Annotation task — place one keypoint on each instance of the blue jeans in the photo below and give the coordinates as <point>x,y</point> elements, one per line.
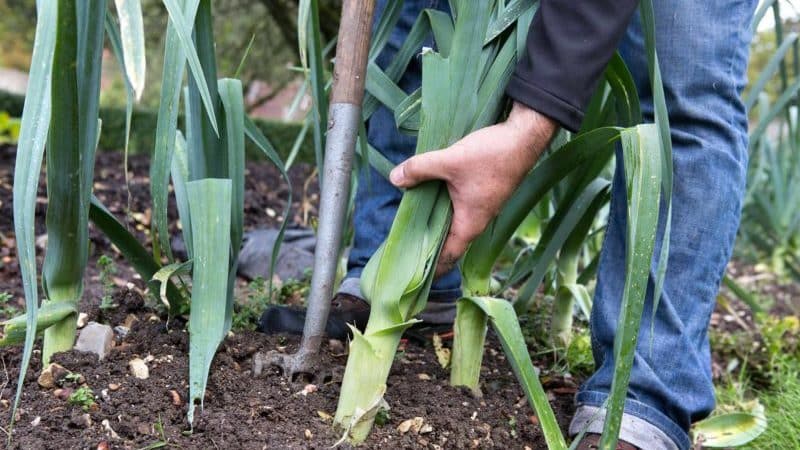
<point>703,50</point>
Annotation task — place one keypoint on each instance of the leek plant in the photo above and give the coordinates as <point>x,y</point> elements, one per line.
<point>207,172</point>
<point>61,112</point>
<point>771,218</point>
<point>449,105</point>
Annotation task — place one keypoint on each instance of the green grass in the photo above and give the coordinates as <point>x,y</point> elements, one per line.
<point>763,365</point>
<point>783,413</point>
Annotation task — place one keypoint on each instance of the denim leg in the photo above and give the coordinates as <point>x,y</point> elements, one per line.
<point>376,199</point>
<point>703,51</point>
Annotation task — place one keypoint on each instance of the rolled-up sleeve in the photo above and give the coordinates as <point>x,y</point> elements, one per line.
<point>568,46</point>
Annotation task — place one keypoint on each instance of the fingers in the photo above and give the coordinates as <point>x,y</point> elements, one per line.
<point>419,168</point>
<point>462,232</point>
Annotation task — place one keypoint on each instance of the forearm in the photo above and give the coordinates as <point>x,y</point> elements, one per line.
<point>568,46</point>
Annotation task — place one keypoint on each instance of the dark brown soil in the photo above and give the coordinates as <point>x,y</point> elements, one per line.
<point>267,412</point>
<point>240,411</point>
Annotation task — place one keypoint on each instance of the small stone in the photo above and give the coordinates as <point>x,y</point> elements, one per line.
<point>104,395</point>
<point>534,420</point>
<point>139,369</point>
<point>308,434</point>
<point>62,394</point>
<point>52,376</point>
<point>83,319</point>
<point>113,387</point>
<point>336,346</point>
<point>143,428</point>
<point>308,389</point>
<point>413,425</point>
<point>107,426</point>
<point>424,376</point>
<point>427,428</point>
<point>95,338</point>
<point>176,398</point>
<point>103,445</point>
<point>130,319</point>
<point>82,420</point>
<point>121,331</point>
<point>35,422</point>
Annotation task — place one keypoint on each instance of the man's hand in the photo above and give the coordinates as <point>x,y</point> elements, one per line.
<point>481,170</point>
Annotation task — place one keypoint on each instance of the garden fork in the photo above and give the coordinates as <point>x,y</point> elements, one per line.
<point>347,95</point>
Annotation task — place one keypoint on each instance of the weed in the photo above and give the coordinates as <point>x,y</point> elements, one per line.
<point>108,268</point>
<point>73,377</point>
<point>83,397</point>
<point>773,348</point>
<point>247,312</point>
<point>512,423</point>
<point>7,307</point>
<point>382,417</point>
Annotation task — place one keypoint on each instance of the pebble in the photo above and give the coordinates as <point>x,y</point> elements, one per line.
<point>113,387</point>
<point>95,338</point>
<point>176,398</point>
<point>83,319</point>
<point>35,422</point>
<point>121,331</point>
<point>130,319</point>
<point>62,394</point>
<point>414,425</point>
<point>308,389</point>
<point>424,376</point>
<point>52,375</point>
<point>139,369</point>
<point>104,395</point>
<point>103,445</point>
<point>308,434</point>
<point>107,426</point>
<point>82,420</point>
<point>336,346</point>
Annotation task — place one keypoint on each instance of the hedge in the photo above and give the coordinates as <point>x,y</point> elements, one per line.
<point>143,128</point>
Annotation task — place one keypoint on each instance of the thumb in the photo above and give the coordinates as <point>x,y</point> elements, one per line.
<point>419,168</point>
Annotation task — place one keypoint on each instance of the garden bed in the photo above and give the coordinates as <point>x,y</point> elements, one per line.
<point>270,411</point>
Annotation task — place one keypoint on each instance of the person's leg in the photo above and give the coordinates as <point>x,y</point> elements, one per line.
<point>377,199</point>
<point>703,51</point>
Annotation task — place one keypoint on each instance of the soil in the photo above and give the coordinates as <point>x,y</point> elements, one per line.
<point>240,410</point>
<point>267,412</point>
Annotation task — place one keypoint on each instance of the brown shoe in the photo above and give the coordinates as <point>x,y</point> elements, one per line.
<point>591,441</point>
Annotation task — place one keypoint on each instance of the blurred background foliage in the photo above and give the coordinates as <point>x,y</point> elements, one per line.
<point>271,24</point>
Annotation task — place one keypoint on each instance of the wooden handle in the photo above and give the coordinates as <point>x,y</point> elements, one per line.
<point>352,51</point>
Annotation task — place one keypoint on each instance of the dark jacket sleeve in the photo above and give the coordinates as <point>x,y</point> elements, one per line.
<point>569,44</point>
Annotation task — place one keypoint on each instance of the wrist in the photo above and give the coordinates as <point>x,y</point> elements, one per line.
<point>531,127</point>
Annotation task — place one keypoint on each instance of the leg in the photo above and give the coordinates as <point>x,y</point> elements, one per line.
<point>703,50</point>
<point>377,199</point>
